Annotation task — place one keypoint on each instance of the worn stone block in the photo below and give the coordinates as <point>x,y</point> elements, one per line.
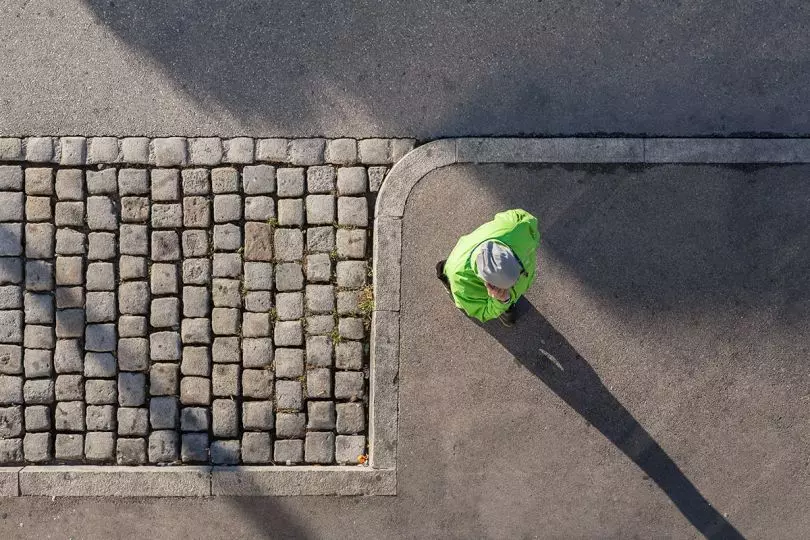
<point>225,380</point>
<point>226,350</point>
<point>12,207</point>
<point>291,212</point>
<point>351,243</point>
<point>196,331</point>
<point>226,293</point>
<point>259,179</point>
<point>196,181</point>
<point>38,363</point>
<point>353,211</point>
<point>69,271</point>
<point>225,452</point>
<point>259,208</point>
<point>225,418</point>
<point>225,321</point>
<point>37,447</point>
<point>319,268</point>
<point>132,182</point>
<point>69,447</point>
<point>288,334</point>
<point>100,276</point>
<point>131,326</point>
<point>11,421</point>
<point>321,415</point>
<point>319,383</point>
<point>205,151</point>
<point>194,419</point>
<point>255,324</point>
<point>133,422</point>
<point>100,392</point>
<point>99,446</point>
<point>69,214</point>
<point>10,239</point>
<point>133,297</point>
<point>135,209</point>
<point>194,448</point>
<point>163,412</point>
<point>349,355</point>
<point>11,177</point>
<point>11,148</point>
<point>11,359</point>
<point>374,151</point>
<point>74,150</point>
<point>134,240</point>
<point>196,302</point>
<point>273,150</point>
<point>39,240</point>
<point>99,365</point>
<point>101,246</point>
<point>164,346</point>
<point>259,242</point>
<point>320,239</point>
<point>320,209</point>
<point>319,447</point>
<point>101,213</point>
<point>167,216</point>
<point>196,362</point>
<point>38,308</point>
<point>306,151</point>
<point>130,451</point>
<point>36,208</point>
<point>351,328</point>
<point>320,298</point>
<point>257,383</point>
<point>289,306</point>
<point>195,391</point>
<point>349,449</point>
<point>67,357</point>
<point>341,151</point>
<point>11,451</point>
<point>100,418</point>
<point>289,395</point>
<point>11,271</point>
<point>100,307</point>
<point>165,312</point>
<point>257,352</point>
<point>319,351</point>
<point>170,152</point>
<point>39,181</point>
<point>196,212</point>
<point>163,379</point>
<point>131,389</point>
<point>349,385</point>
<point>288,452</point>
<point>290,425</point>
<point>102,182</point>
<point>69,416</point>
<point>225,180</point>
<point>130,267</point>
<point>351,274</point>
<point>227,237</point>
<point>11,326</point>
<point>256,448</point>
<point>135,150</point>
<point>258,276</point>
<point>352,180</point>
<point>196,271</point>
<point>239,150</point>
<point>38,337</point>
<point>164,447</point>
<point>290,182</point>
<point>227,207</point>
<point>163,279</point>
<point>258,301</point>
<point>351,418</point>
<point>289,363</point>
<point>257,415</point>
<point>400,147</point>
<point>69,297</point>
<point>348,302</point>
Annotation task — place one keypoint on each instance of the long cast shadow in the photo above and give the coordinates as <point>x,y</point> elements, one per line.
<point>547,354</point>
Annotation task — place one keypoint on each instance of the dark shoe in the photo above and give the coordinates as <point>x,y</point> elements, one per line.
<point>508,317</point>
<point>441,277</point>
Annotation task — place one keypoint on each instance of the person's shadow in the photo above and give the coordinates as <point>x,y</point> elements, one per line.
<point>535,343</point>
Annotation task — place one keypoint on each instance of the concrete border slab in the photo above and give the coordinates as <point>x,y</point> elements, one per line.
<point>115,481</point>
<point>269,480</point>
<point>9,481</point>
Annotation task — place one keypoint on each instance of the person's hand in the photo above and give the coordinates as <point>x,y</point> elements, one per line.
<point>501,295</point>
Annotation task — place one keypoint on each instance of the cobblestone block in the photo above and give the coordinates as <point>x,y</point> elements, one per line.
<point>351,328</point>
<point>226,321</point>
<point>133,354</point>
<point>195,391</point>
<point>353,211</point>
<point>351,243</point>
<point>37,149</point>
<point>226,350</point>
<point>133,422</point>
<point>289,395</point>
<point>39,337</point>
<point>225,452</point>
<point>349,385</point>
<point>374,151</point>
<point>11,359</point>
<point>165,185</point>
<point>196,271</point>
<point>38,363</point>
<point>352,180</point>
<point>259,242</point>
<point>227,207</point>
<point>12,207</point>
<point>135,150</point>
<point>194,448</point>
<point>288,334</point>
<point>131,182</point>
<point>196,331</point>
<point>134,240</point>
<point>101,246</point>
<point>101,213</point>
<point>320,239</point>
<point>239,150</point>
<point>205,151</point>
<point>131,326</point>
<point>319,447</point>
<point>69,297</point>
<point>74,150</point>
<point>10,239</point>
<point>195,243</point>
<point>100,418</point>
<point>227,237</point>
<point>100,276</point>
<point>257,415</point>
<point>165,312</point>
<point>348,302</point>
<point>11,422</point>
<point>196,302</point>
<point>196,212</point>
<point>70,214</point>
<point>306,151</point>
<point>170,152</point>
<point>290,425</point>
<point>100,307</point>
<point>320,209</point>
<point>259,208</point>
<point>258,276</point>
<point>290,182</point>
<point>289,363</point>
<point>39,240</point>
<point>291,212</point>
<point>11,326</point>
<point>11,451</point>
<point>39,181</point>
<point>376,175</point>
<point>131,389</point>
<point>341,151</point>
<point>38,308</point>
<point>289,306</point>
<point>102,182</point>
<point>196,181</point>
<point>258,301</point>
<point>99,446</point>
<point>289,244</point>
<point>99,365</point>
<point>273,150</point>
<point>164,346</point>
<point>351,274</point>
<point>256,448</point>
<point>133,296</point>
<point>69,416</point>
<point>225,380</point>
<point>257,352</point>
<point>259,179</point>
<point>349,449</point>
<point>194,419</point>
<point>321,179</point>
<point>130,451</point>
<point>288,452</point>
<point>69,447</point>
<point>319,268</point>
<point>225,180</point>
<point>319,351</point>
<point>134,209</point>
<point>400,147</point>
<point>100,392</point>
<point>67,357</point>
<point>225,418</point>
<point>11,177</point>
<point>11,149</point>
<point>320,298</point>
<point>226,293</point>
<point>321,415</point>
<point>196,362</point>
<point>163,379</point>
<point>37,447</point>
<point>255,324</point>
<point>163,412</point>
<point>163,279</point>
<point>227,265</point>
<point>36,208</point>
<point>257,383</point>
<point>130,267</point>
<point>164,447</point>
<point>349,355</point>
<point>351,418</point>
<point>319,383</point>
<point>166,216</point>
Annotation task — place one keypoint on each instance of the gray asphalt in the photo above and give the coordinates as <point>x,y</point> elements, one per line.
<point>675,302</point>
<point>420,69</point>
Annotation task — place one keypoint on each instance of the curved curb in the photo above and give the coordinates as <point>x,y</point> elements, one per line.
<point>414,166</point>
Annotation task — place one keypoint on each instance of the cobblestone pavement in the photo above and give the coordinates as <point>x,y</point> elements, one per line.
<point>186,300</point>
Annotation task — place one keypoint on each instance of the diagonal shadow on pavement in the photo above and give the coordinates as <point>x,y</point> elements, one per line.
<point>537,345</point>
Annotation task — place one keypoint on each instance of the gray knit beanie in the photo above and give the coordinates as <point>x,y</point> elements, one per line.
<point>497,265</point>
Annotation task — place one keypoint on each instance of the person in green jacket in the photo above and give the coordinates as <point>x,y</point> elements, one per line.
<point>493,266</point>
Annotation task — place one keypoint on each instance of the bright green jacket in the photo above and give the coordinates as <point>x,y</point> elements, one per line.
<point>516,229</point>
